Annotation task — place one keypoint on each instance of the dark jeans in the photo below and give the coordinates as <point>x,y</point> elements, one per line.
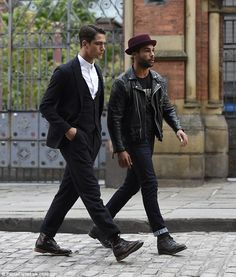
<point>141,175</point>
<point>79,181</point>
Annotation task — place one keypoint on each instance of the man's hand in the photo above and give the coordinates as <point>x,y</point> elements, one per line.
<point>183,138</point>
<point>124,159</point>
<point>70,134</point>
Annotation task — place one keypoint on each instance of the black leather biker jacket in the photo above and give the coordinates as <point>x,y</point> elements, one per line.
<point>126,109</point>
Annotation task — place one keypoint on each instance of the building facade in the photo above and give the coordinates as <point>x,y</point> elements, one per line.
<point>190,38</point>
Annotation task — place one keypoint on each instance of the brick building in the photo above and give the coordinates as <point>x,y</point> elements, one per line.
<point>190,55</point>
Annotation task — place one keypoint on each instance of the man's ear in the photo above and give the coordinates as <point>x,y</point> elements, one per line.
<point>84,43</point>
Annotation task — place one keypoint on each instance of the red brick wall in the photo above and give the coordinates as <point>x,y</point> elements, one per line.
<point>169,19</point>
<point>165,19</point>
<point>174,72</point>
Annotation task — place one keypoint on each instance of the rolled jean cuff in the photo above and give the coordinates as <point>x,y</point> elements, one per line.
<point>161,231</point>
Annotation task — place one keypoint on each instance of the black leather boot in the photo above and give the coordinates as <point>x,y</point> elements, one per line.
<point>167,245</point>
<point>123,248</point>
<point>45,244</point>
<point>95,233</point>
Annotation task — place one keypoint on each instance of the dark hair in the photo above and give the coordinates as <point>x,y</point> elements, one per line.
<point>88,33</point>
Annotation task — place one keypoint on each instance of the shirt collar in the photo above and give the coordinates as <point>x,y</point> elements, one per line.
<point>84,63</point>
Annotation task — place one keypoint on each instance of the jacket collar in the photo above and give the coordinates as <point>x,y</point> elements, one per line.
<point>76,65</point>
<point>77,70</point>
<point>84,63</point>
<point>132,76</point>
<point>79,77</point>
<point>156,79</point>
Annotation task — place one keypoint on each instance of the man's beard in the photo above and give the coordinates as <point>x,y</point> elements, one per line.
<point>144,64</point>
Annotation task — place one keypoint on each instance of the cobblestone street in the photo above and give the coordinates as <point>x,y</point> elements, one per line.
<point>208,255</point>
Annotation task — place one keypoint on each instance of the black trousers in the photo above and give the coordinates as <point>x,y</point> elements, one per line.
<point>141,175</point>
<point>79,181</point>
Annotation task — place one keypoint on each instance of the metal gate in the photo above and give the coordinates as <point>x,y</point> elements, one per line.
<point>230,82</point>
<point>35,37</point>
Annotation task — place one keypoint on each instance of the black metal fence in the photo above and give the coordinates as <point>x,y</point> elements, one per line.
<point>35,37</point>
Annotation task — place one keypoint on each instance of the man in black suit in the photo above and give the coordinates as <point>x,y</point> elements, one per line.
<point>73,104</point>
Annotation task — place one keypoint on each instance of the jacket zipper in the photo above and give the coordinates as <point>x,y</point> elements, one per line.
<point>155,111</point>
<point>139,115</point>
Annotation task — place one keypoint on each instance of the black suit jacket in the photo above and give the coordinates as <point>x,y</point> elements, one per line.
<point>63,100</point>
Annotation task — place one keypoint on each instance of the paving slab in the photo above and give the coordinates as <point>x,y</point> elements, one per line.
<point>209,207</point>
<point>208,254</point>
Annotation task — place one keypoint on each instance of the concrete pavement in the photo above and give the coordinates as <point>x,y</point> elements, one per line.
<point>209,207</point>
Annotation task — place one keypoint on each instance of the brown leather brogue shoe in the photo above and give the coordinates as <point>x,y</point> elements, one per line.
<point>45,244</point>
<point>123,248</point>
<point>168,246</point>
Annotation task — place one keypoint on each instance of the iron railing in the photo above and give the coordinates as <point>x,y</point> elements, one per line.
<point>35,37</point>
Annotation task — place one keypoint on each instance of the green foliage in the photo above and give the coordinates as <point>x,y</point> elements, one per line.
<point>112,65</point>
<point>38,28</point>
<point>44,34</point>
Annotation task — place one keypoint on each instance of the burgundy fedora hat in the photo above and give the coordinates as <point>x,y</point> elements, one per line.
<point>138,41</point>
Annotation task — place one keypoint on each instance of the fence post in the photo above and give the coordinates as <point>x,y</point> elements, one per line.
<point>10,48</point>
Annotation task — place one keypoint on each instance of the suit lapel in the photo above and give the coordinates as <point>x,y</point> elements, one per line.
<point>81,85</point>
<point>101,98</point>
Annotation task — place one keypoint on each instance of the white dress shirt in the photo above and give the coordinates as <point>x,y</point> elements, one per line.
<point>90,75</point>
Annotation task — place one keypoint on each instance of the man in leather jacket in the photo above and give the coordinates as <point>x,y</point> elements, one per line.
<point>137,106</point>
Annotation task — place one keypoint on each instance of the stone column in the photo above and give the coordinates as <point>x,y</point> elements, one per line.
<point>214,58</point>
<point>191,51</point>
<point>129,30</point>
<point>216,129</point>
